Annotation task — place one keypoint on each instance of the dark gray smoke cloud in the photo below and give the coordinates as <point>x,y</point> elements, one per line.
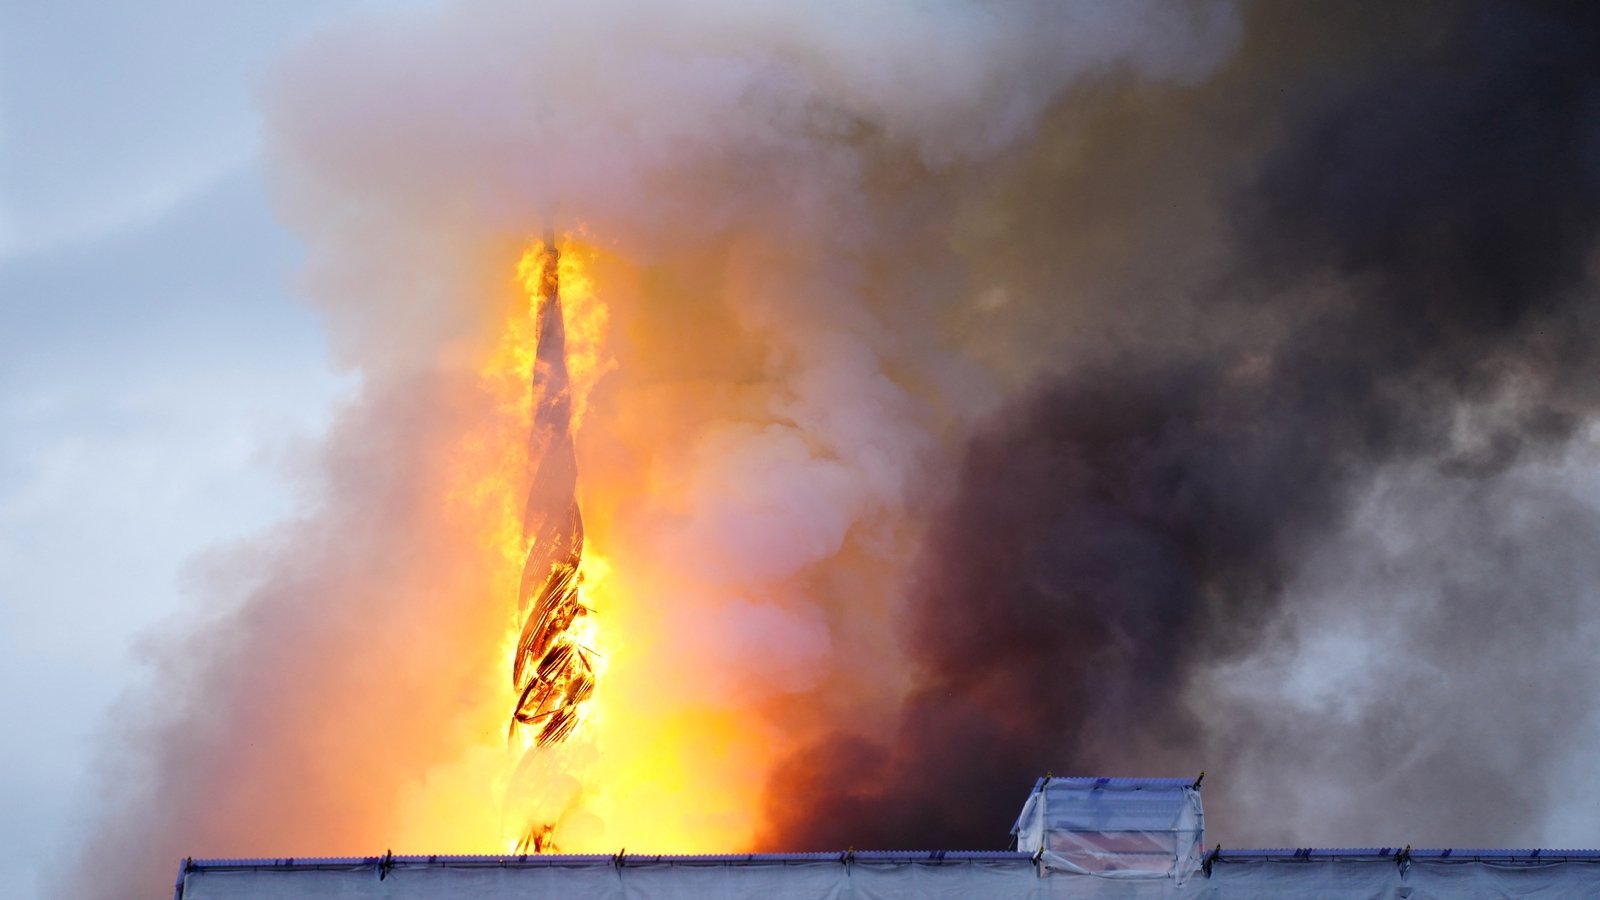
<point>1319,322</point>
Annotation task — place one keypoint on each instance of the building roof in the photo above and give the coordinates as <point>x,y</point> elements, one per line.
<point>1129,838</point>
<point>1435,872</point>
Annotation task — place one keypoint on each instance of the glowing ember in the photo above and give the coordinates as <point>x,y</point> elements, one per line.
<point>554,665</point>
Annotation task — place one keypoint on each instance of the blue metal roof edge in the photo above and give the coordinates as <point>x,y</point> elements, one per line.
<point>1519,854</point>
<point>1092,782</point>
<point>386,863</point>
<point>557,860</point>
<point>1105,781</point>
<point>590,859</point>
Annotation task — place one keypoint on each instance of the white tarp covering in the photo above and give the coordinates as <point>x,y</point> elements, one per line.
<point>1115,827</point>
<point>1352,877</point>
<point>1117,839</point>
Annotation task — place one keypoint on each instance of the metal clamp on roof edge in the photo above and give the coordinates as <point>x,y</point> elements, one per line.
<point>183,872</point>
<point>1205,864</point>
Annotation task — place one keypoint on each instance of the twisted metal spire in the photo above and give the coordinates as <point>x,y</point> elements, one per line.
<point>553,672</point>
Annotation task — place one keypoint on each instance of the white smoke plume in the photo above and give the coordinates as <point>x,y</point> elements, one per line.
<point>771,192</point>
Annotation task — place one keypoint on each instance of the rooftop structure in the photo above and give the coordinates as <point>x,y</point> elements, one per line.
<point>1129,839</point>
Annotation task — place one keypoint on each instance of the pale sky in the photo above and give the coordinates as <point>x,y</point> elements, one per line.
<point>162,386</point>
<point>158,377</point>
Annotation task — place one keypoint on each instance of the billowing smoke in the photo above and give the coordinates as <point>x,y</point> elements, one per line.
<point>1396,298</point>
<point>988,389</point>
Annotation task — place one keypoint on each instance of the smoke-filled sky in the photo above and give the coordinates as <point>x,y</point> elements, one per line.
<point>982,390</point>
<point>158,379</point>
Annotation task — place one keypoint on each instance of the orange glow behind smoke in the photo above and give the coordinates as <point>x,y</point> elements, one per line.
<point>649,768</point>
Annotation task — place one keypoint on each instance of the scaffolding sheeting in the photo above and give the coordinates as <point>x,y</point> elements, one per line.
<point>1243,874</point>
<point>1114,827</point>
<point>1113,838</point>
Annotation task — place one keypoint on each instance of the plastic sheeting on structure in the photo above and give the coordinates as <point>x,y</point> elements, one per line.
<point>1242,875</point>
<point>1090,838</point>
<point>1114,827</point>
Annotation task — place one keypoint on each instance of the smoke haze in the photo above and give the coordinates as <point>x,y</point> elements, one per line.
<point>1391,272</point>
<point>988,390</point>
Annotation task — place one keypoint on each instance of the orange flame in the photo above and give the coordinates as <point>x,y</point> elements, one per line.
<point>556,665</point>
<point>646,765</point>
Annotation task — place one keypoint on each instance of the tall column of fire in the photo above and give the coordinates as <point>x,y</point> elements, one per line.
<point>553,671</point>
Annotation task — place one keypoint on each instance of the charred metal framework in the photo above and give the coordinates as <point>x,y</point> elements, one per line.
<point>553,672</point>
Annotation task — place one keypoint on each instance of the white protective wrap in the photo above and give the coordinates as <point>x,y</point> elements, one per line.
<point>1115,827</point>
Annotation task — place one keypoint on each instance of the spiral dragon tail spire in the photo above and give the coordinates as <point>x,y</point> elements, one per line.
<point>553,672</point>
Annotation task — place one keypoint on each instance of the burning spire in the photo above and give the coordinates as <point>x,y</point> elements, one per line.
<point>553,670</point>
